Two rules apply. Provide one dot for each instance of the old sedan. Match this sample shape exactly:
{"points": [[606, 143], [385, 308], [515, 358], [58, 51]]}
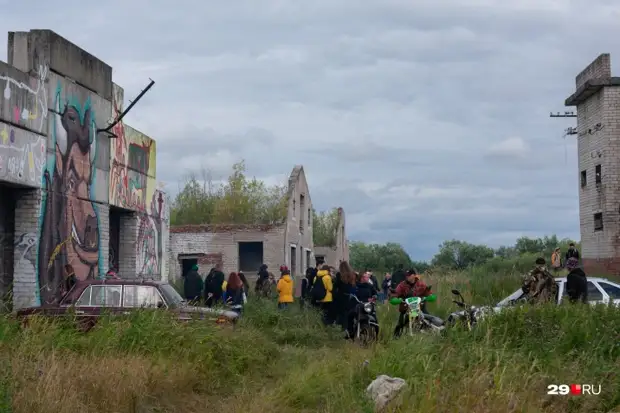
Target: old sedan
{"points": [[89, 299]]}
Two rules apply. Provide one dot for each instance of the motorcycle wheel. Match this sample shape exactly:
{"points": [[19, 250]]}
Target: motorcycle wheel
{"points": [[368, 335]]}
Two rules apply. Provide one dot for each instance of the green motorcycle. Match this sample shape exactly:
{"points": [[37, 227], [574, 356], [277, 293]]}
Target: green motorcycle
{"points": [[419, 321]]}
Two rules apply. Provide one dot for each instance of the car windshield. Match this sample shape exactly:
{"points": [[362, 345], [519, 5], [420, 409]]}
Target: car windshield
{"points": [[507, 301], [172, 296]]}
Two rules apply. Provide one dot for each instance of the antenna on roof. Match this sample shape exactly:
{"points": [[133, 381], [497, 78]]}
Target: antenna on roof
{"points": [[108, 129], [568, 114]]}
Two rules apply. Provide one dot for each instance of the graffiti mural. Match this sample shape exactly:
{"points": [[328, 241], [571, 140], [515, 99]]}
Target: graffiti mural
{"points": [[150, 245], [69, 220], [22, 156], [24, 101], [132, 164]]}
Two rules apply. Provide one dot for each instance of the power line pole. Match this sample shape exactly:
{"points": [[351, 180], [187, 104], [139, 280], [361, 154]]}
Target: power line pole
{"points": [[569, 130]]}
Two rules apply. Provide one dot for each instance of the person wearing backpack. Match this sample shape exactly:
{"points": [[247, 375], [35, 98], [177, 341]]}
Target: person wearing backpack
{"points": [[321, 292]]}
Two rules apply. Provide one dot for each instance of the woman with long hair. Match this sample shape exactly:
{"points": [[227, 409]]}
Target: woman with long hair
{"points": [[234, 292], [343, 287]]}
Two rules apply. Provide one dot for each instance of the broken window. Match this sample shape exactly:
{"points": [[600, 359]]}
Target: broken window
{"points": [[584, 179], [598, 221], [597, 174], [302, 207]]}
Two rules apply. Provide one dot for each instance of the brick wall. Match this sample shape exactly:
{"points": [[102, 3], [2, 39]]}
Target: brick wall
{"points": [[213, 240], [598, 137], [26, 282]]}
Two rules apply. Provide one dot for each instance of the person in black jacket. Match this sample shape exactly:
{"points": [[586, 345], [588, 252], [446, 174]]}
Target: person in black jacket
{"points": [[365, 289], [234, 292], [576, 282], [398, 276], [213, 286], [192, 285], [572, 252], [246, 284], [386, 285], [306, 285], [262, 282]]}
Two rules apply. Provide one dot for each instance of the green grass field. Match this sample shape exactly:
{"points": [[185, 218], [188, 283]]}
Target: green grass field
{"points": [[285, 362]]}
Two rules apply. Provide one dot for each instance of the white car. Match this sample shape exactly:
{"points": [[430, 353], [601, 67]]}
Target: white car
{"points": [[600, 291]]}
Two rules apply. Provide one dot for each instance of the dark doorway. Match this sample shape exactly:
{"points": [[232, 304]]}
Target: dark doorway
{"points": [[187, 264], [119, 247], [250, 256], [293, 260], [9, 245], [115, 238]]}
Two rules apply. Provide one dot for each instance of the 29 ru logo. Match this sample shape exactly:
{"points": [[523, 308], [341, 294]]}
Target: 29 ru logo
{"points": [[573, 389]]}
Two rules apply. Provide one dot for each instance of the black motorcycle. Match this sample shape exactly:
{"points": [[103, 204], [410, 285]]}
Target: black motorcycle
{"points": [[468, 316], [365, 326]]}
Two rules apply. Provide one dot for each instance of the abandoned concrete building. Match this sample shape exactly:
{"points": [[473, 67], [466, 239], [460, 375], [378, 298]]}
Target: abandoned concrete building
{"points": [[334, 254], [597, 98], [73, 190], [246, 247]]}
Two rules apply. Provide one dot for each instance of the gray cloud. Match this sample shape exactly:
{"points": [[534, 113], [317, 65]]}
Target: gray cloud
{"points": [[425, 120]]}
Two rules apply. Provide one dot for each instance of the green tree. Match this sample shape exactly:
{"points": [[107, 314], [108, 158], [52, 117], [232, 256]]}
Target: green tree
{"points": [[458, 255], [325, 227], [381, 257], [239, 200]]}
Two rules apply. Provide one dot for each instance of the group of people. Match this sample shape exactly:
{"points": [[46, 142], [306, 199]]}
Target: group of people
{"points": [[539, 284], [331, 292], [557, 263], [215, 288]]}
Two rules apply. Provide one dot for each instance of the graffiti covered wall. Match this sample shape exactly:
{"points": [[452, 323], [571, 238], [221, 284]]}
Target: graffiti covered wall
{"points": [[74, 189], [133, 187], [88, 200], [23, 125]]}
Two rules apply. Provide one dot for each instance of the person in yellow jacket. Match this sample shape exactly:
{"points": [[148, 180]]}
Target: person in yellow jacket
{"points": [[285, 289], [321, 294]]}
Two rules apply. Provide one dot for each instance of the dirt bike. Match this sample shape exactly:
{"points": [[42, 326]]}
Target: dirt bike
{"points": [[419, 321], [365, 324], [468, 316]]}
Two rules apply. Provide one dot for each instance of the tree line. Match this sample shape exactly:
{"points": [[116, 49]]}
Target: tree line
{"points": [[453, 254]]}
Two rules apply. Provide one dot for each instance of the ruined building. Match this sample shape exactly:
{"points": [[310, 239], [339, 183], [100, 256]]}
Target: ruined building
{"points": [[246, 247], [334, 254], [70, 193], [597, 98]]}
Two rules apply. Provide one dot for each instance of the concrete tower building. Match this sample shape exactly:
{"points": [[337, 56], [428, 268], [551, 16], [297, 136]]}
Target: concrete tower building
{"points": [[597, 98]]}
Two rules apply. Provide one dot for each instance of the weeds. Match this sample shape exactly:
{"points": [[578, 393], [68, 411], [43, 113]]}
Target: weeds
{"points": [[287, 361]]}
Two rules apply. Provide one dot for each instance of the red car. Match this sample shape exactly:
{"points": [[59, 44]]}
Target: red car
{"points": [[91, 298]]}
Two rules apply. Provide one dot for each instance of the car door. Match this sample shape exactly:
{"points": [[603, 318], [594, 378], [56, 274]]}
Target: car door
{"points": [[561, 290], [612, 291], [595, 294], [142, 296], [98, 298]]}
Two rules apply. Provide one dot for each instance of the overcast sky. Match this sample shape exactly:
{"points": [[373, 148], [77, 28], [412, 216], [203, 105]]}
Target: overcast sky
{"points": [[425, 119]]}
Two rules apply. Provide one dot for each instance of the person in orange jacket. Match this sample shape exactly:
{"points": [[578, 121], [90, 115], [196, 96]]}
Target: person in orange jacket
{"points": [[285, 289]]}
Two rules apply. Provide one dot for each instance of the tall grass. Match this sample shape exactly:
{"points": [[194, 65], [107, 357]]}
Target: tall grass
{"points": [[287, 361]]}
